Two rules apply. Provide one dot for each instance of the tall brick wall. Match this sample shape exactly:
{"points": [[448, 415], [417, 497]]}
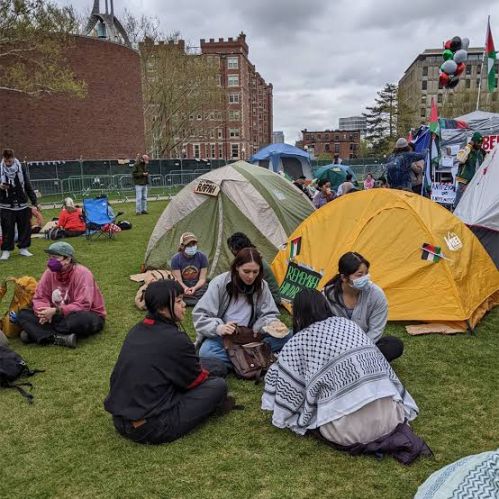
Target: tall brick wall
{"points": [[108, 123]]}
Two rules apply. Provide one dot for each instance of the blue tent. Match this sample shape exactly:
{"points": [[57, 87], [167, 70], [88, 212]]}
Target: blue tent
{"points": [[284, 157]]}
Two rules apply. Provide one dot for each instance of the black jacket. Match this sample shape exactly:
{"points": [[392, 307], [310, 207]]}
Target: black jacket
{"points": [[16, 196], [156, 362]]}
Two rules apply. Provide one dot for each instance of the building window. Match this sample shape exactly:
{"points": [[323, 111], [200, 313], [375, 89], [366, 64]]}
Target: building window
{"points": [[233, 63], [326, 148], [233, 80], [478, 69], [439, 98], [468, 83], [220, 133], [234, 115], [423, 112], [424, 85], [199, 117], [233, 98], [220, 151], [196, 151], [425, 71], [234, 133], [336, 148], [468, 69], [336, 137], [234, 148], [212, 151]]}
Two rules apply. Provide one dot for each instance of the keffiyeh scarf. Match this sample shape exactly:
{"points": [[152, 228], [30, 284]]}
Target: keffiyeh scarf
{"points": [[8, 173], [327, 371]]}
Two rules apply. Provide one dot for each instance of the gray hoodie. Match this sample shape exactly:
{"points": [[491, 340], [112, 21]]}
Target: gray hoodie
{"points": [[370, 313], [207, 314]]}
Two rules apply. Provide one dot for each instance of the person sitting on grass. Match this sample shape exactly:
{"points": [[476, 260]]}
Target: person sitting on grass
{"points": [[67, 304], [239, 297], [158, 390], [331, 380], [352, 294], [346, 186], [239, 241], [71, 219], [190, 266]]}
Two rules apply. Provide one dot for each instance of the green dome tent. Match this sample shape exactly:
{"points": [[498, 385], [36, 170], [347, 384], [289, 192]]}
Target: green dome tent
{"points": [[236, 198], [335, 174]]}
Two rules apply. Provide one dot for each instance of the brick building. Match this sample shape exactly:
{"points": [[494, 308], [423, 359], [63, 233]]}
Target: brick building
{"points": [[108, 123], [331, 144]]}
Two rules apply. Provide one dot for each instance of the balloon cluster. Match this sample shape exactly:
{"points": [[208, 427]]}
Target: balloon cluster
{"points": [[455, 54]]}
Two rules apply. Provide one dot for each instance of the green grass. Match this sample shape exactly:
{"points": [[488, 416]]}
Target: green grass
{"points": [[65, 444]]}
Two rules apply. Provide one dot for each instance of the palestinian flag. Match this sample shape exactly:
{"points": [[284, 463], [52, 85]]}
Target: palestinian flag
{"points": [[295, 247], [491, 59], [433, 118], [431, 253]]}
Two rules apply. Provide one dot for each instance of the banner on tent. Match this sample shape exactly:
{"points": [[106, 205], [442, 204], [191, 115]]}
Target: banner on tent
{"points": [[490, 141], [298, 277], [207, 187], [443, 193]]}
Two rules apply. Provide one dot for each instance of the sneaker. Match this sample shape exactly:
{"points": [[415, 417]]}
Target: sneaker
{"points": [[65, 340], [145, 212], [5, 255], [25, 252], [24, 337]]}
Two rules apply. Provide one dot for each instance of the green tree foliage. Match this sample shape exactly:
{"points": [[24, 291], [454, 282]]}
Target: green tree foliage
{"points": [[33, 38]]}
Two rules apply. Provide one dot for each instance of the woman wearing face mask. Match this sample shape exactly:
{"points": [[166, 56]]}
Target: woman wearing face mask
{"points": [[353, 295], [239, 297], [190, 266], [158, 390], [67, 304]]}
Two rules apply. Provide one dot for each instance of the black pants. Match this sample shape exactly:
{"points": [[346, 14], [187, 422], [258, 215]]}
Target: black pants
{"points": [[191, 409], [73, 233], [192, 300], [392, 348], [80, 323], [9, 219]]}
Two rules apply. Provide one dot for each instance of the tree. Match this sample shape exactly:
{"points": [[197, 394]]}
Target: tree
{"points": [[144, 27], [33, 37], [382, 119], [183, 98]]}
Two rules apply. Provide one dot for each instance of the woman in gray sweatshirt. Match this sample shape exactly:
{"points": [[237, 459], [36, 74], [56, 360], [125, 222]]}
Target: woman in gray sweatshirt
{"points": [[353, 295]]}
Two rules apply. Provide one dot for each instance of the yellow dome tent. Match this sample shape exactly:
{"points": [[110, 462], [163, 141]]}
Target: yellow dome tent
{"points": [[430, 265]]}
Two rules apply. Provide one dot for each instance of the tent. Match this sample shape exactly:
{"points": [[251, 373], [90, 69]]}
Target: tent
{"points": [[237, 197], [479, 206], [336, 174], [284, 157], [401, 234]]}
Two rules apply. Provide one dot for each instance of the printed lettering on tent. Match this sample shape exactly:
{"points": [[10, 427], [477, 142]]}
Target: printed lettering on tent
{"points": [[298, 277]]}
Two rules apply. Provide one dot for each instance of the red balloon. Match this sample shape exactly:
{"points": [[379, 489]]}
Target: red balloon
{"points": [[443, 79], [460, 68], [447, 44]]}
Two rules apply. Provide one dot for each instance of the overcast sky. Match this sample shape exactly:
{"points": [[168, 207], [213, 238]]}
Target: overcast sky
{"points": [[325, 58]]}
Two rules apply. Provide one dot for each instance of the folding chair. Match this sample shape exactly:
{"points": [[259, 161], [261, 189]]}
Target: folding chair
{"points": [[99, 218]]}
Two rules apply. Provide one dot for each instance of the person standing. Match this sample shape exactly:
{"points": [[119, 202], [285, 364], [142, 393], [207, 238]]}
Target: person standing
{"points": [[15, 190], [470, 159], [400, 164], [141, 180]]}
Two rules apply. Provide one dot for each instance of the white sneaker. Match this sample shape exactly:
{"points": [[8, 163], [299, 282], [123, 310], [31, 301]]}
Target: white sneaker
{"points": [[25, 252], [5, 255]]}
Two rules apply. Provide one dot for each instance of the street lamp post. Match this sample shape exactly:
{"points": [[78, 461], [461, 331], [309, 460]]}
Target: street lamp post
{"points": [[181, 166]]}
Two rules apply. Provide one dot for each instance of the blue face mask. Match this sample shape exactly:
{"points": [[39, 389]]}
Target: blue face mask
{"points": [[361, 282], [191, 250]]}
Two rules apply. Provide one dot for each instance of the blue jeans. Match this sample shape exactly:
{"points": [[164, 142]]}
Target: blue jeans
{"points": [[459, 193], [214, 347], [140, 198]]}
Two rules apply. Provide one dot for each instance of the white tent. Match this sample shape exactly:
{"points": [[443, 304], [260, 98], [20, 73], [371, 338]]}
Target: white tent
{"points": [[479, 206]]}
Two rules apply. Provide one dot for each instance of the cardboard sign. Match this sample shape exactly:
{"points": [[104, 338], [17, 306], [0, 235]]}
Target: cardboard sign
{"points": [[207, 187], [297, 278], [443, 193]]}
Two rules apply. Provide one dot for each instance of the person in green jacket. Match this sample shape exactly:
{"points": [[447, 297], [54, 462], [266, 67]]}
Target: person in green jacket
{"points": [[239, 241], [470, 159], [141, 179]]}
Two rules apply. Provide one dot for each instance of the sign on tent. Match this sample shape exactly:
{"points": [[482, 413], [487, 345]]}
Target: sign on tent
{"points": [[298, 277], [207, 187]]}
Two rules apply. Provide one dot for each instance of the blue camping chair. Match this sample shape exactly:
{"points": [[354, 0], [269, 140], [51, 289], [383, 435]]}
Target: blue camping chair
{"points": [[98, 216]]}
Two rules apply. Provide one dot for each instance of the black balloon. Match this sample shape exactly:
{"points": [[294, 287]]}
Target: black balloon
{"points": [[453, 81], [456, 44]]}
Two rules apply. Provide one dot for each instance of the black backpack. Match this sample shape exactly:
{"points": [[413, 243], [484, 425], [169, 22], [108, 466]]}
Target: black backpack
{"points": [[13, 367]]}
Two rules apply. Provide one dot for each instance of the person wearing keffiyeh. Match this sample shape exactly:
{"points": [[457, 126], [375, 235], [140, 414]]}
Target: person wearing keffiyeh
{"points": [[15, 190]]}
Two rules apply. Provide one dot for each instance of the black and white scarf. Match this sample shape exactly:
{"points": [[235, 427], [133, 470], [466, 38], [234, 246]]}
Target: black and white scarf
{"points": [[8, 174]]}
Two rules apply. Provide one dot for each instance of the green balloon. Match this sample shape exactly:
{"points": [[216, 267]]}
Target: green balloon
{"points": [[448, 54]]}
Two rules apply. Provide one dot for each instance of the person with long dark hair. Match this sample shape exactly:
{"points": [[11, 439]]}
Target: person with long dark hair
{"points": [[331, 379], [239, 297], [352, 294], [158, 389]]}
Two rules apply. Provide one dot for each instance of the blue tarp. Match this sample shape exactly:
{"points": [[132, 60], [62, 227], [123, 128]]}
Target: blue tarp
{"points": [[273, 153]]}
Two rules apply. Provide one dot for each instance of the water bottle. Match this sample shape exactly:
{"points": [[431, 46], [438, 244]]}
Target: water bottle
{"points": [[13, 317]]}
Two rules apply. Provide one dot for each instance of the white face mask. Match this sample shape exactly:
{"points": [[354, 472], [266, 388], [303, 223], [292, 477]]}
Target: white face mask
{"points": [[191, 250], [361, 282]]}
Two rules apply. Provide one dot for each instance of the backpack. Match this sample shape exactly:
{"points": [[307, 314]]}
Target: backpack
{"points": [[54, 233], [395, 175], [23, 297], [12, 367], [249, 355], [124, 225]]}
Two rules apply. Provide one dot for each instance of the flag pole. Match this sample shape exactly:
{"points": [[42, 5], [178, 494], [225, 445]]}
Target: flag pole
{"points": [[483, 64]]}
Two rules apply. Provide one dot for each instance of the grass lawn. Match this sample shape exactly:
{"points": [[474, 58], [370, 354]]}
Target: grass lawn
{"points": [[64, 445]]}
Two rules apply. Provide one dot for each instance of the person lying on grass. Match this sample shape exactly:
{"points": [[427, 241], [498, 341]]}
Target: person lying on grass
{"points": [[352, 294], [158, 390], [330, 377], [239, 297], [67, 304]]}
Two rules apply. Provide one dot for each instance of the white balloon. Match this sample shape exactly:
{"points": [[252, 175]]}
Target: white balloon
{"points": [[449, 67], [465, 43], [460, 56]]}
